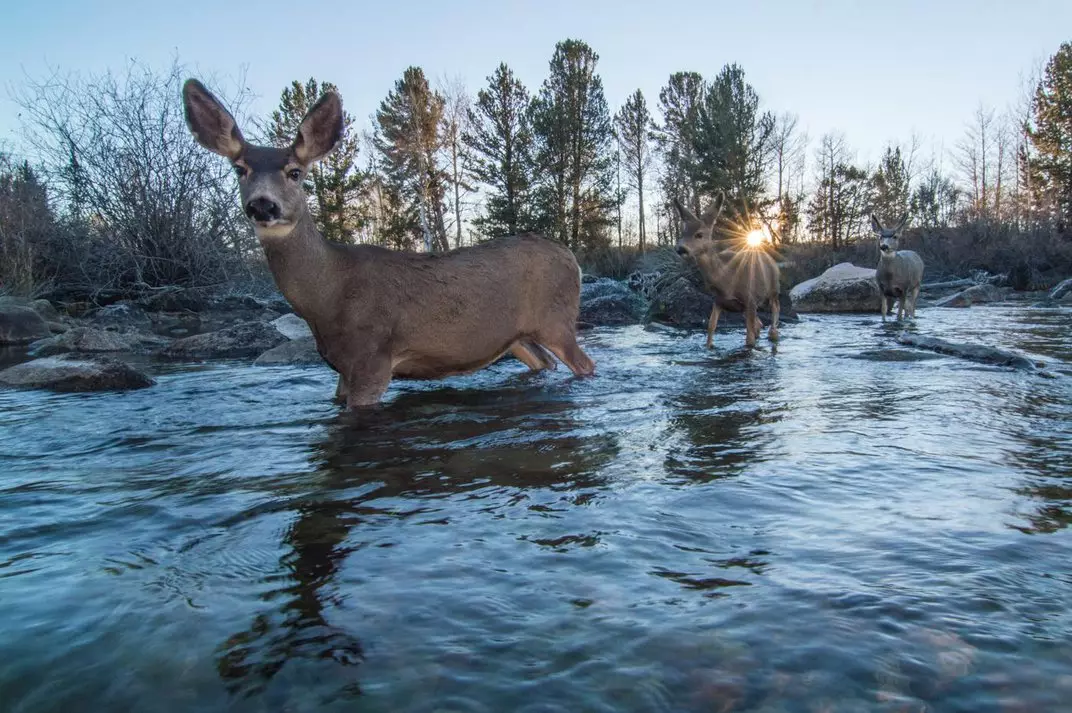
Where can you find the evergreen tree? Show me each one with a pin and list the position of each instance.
(680, 103)
(1049, 161)
(574, 133)
(934, 201)
(733, 143)
(408, 138)
(837, 208)
(336, 183)
(634, 130)
(500, 138)
(891, 192)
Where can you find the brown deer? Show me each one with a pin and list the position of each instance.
(740, 280)
(899, 272)
(377, 313)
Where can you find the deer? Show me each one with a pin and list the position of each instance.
(899, 272)
(376, 313)
(740, 280)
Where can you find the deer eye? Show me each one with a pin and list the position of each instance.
(294, 174)
(698, 236)
(240, 170)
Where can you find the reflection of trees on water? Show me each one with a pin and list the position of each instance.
(431, 444)
(717, 411)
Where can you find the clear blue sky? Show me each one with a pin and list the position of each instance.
(876, 71)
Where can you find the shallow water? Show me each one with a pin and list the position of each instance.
(688, 531)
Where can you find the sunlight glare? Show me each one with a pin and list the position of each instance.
(755, 238)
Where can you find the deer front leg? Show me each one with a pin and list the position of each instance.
(775, 311)
(712, 323)
(915, 296)
(752, 326)
(884, 307)
(901, 306)
(367, 375)
(341, 391)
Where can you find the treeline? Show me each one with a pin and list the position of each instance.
(119, 197)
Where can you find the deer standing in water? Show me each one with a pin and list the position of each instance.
(740, 280)
(899, 272)
(377, 313)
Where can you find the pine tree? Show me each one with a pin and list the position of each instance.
(500, 138)
(408, 138)
(680, 103)
(733, 143)
(634, 130)
(836, 210)
(1049, 162)
(891, 192)
(575, 157)
(336, 183)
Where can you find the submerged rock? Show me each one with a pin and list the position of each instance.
(295, 352)
(894, 355)
(842, 288)
(607, 302)
(68, 374)
(973, 352)
(978, 294)
(247, 339)
(88, 340)
(1062, 289)
(20, 323)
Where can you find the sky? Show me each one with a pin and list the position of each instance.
(878, 72)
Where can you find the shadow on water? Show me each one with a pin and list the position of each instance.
(425, 444)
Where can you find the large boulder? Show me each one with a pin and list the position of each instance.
(90, 340)
(977, 294)
(292, 326)
(20, 323)
(607, 302)
(291, 352)
(243, 340)
(70, 375)
(842, 288)
(681, 304)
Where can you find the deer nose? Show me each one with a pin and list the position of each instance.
(682, 251)
(262, 210)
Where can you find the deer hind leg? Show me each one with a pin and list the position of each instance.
(562, 342)
(533, 356)
(901, 306)
(915, 297)
(752, 326)
(775, 311)
(712, 324)
(885, 307)
(341, 392)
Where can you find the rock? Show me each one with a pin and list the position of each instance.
(20, 323)
(587, 278)
(972, 352)
(607, 302)
(681, 304)
(82, 339)
(1062, 289)
(45, 309)
(121, 315)
(646, 283)
(295, 351)
(70, 375)
(175, 300)
(894, 355)
(58, 327)
(235, 303)
(979, 294)
(246, 339)
(842, 288)
(292, 326)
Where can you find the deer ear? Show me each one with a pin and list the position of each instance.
(320, 130)
(684, 212)
(211, 124)
(901, 225)
(711, 215)
(875, 225)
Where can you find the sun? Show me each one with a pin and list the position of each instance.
(755, 238)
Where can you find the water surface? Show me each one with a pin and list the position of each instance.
(843, 525)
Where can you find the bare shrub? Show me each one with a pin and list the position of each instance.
(143, 205)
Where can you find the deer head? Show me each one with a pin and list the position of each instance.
(887, 237)
(696, 233)
(269, 179)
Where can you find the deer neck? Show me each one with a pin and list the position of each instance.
(711, 264)
(300, 263)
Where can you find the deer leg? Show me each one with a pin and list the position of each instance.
(341, 391)
(562, 342)
(915, 296)
(367, 380)
(884, 308)
(533, 356)
(712, 323)
(775, 311)
(900, 306)
(751, 331)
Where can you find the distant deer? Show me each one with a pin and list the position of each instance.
(899, 272)
(740, 279)
(377, 313)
